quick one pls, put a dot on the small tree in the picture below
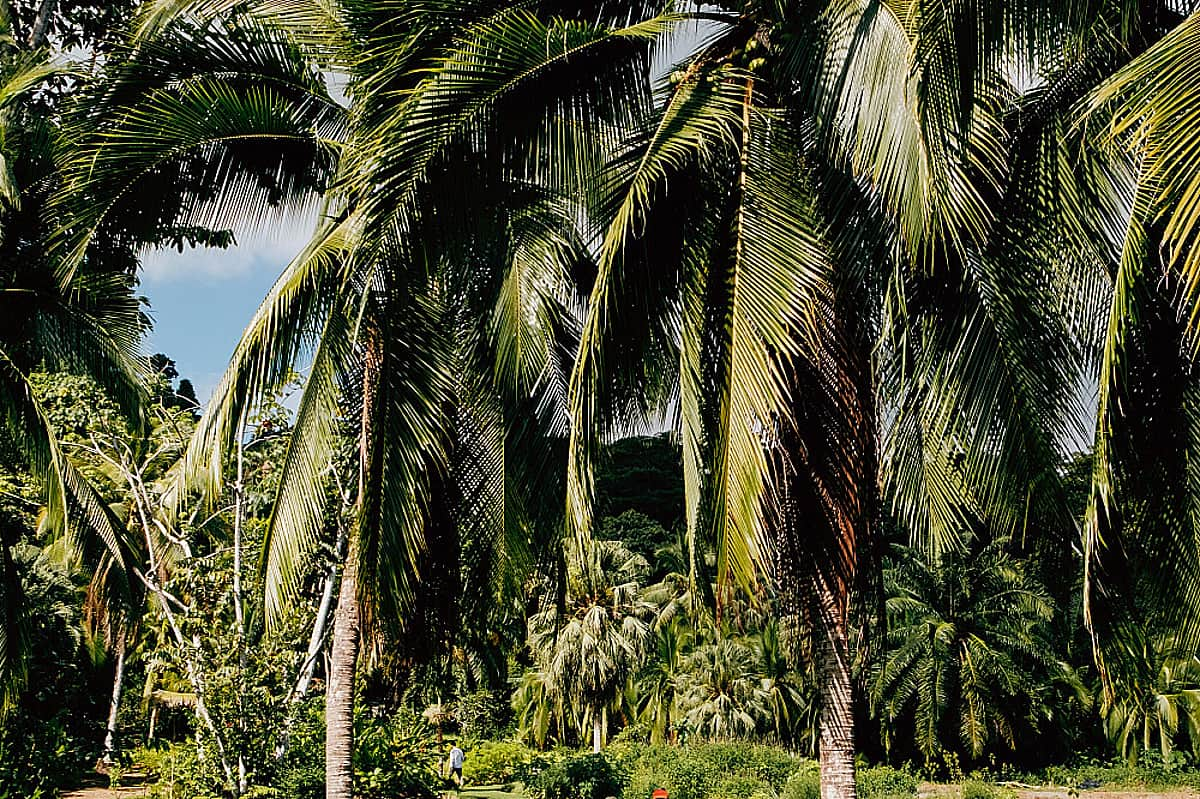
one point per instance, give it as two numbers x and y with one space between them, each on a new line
588 650
969 661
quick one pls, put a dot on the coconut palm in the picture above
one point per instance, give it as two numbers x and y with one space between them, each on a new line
804 243
658 682
789 693
588 650
970 663
435 322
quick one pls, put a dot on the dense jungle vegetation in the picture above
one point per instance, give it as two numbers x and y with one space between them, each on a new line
754 400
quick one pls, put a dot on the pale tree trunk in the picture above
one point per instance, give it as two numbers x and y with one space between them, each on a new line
316 642
836 726
317 638
239 500
597 732
114 706
339 694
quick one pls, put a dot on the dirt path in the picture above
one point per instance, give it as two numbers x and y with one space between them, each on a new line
931 791
1052 793
100 790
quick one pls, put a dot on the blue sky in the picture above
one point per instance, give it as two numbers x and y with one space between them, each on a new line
202 299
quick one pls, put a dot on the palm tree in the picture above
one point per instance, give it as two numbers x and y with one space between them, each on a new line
1167 709
790 695
589 650
87 322
970 664
658 683
721 693
814 242
434 322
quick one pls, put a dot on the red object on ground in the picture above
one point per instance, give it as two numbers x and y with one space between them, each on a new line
659 793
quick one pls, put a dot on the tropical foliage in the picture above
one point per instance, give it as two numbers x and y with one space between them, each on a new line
864 266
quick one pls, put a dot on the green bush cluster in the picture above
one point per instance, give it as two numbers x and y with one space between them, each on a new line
37 756
587 776
885 782
493 762
484 715
1151 771
706 771
874 782
394 756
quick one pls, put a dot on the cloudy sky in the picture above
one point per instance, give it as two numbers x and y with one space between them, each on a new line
202 299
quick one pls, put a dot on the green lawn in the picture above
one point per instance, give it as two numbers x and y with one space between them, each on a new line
492 792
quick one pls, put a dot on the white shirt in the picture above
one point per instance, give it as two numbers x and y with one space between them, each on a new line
456 758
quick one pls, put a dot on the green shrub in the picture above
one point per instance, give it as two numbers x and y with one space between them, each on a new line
804 783
648 769
394 756
300 773
743 786
769 764
702 771
977 789
885 782
874 782
494 762
179 772
576 777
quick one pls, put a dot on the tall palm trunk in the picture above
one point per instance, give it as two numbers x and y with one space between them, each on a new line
347 620
836 726
114 706
339 695
829 483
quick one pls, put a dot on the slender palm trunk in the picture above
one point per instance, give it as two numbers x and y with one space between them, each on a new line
114 706
828 475
347 620
339 696
836 726
597 732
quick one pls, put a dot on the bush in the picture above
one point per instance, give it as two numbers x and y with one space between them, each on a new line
743 786
576 777
803 784
394 756
494 762
178 771
976 789
1147 774
301 772
885 782
707 770
874 782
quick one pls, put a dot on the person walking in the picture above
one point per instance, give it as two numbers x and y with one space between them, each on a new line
456 764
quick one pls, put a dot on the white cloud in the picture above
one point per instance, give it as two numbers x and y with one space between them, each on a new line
272 247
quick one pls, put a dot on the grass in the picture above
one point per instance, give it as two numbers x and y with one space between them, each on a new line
492 792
